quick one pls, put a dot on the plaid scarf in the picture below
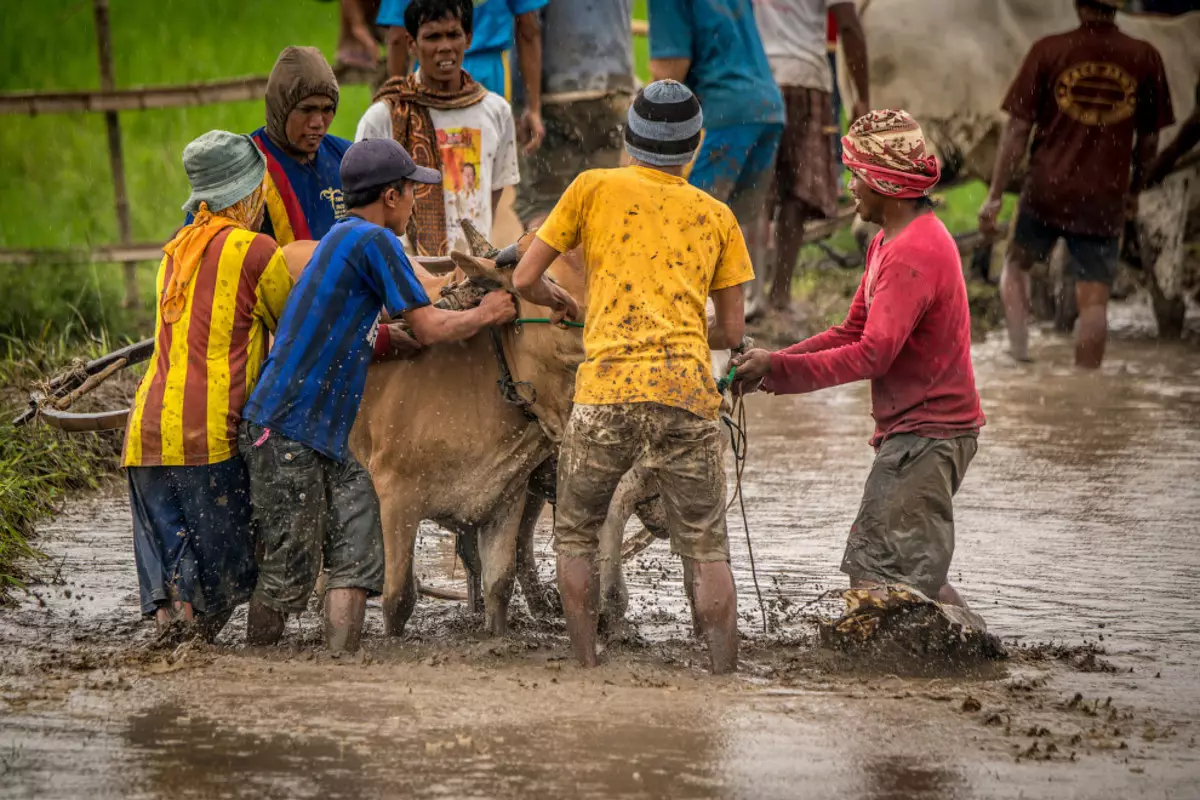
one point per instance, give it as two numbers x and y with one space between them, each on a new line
412 127
886 149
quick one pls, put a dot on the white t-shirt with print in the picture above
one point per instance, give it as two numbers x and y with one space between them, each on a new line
479 155
793 36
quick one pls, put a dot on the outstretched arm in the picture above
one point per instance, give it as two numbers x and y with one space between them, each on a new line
854 45
529 55
1012 149
530 281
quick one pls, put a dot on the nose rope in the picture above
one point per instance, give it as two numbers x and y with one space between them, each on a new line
546 321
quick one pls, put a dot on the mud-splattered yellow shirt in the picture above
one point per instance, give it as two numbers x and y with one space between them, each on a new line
655 248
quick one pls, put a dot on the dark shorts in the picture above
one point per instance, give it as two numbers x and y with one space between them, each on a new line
582 135
192 535
806 168
680 450
736 165
1092 258
904 532
310 510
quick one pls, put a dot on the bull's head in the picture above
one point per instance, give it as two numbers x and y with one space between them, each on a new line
545 356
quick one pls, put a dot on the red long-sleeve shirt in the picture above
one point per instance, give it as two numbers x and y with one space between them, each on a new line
908 331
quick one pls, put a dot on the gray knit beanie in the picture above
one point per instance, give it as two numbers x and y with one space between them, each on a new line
222 168
664 124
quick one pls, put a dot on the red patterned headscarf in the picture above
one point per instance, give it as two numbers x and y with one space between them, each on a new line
886 149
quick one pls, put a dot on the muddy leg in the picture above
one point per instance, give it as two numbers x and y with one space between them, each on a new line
542 600
578 585
1092 297
467 546
399 589
345 610
689 588
715 612
949 596
1014 289
614 598
264 625
498 549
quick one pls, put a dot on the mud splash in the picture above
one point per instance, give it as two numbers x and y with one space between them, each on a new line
1076 530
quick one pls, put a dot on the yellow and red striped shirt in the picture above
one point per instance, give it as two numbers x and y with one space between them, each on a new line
189 404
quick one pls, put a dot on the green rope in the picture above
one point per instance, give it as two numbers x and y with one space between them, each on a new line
546 321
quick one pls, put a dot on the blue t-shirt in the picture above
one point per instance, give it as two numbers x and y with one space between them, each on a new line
729 73
316 186
313 380
492 23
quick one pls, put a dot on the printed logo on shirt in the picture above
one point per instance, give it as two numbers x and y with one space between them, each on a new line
336 200
1096 93
461 174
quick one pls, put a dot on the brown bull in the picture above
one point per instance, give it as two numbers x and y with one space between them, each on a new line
442 445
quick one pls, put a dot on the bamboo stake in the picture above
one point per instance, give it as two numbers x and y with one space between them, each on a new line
116 154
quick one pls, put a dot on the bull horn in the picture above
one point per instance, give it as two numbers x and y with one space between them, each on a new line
478 268
438 265
478 243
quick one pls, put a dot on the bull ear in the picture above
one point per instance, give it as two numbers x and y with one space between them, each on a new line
481 269
478 243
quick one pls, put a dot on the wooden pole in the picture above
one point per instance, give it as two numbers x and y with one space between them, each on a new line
116 155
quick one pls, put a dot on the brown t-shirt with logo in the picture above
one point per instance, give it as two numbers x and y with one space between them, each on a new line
1087 91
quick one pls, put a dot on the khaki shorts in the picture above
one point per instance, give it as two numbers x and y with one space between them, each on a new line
582 135
904 532
681 451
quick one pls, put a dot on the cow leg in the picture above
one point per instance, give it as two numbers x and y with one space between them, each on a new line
399 538
1161 232
498 551
614 596
542 599
467 546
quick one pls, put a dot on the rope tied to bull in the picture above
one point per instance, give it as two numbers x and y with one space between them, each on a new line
738 442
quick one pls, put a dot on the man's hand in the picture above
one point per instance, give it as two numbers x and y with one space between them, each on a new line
499 307
987 216
530 130
400 343
752 365
563 306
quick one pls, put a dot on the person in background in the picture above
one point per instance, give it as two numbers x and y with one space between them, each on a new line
713 46
794 37
1094 100
908 331
304 187
221 289
450 123
314 504
588 81
487 61
356 47
655 250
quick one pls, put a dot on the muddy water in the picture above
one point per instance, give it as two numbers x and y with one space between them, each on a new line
1077 523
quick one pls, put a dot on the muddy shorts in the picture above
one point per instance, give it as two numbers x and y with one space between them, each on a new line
310 510
681 450
582 135
736 166
192 535
1091 258
806 168
904 532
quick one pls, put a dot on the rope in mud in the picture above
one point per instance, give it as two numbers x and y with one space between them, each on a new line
738 443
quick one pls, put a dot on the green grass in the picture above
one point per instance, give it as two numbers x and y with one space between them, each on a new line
39 465
56 189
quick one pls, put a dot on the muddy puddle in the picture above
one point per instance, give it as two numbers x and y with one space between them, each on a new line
1077 531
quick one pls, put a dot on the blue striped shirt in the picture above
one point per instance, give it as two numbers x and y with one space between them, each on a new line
313 380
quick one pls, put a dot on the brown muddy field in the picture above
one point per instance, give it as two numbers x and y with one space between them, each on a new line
1077 529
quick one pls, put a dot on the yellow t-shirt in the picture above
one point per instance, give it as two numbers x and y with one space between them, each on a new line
655 248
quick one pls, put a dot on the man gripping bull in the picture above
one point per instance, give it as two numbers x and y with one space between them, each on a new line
1086 96
655 250
908 332
313 502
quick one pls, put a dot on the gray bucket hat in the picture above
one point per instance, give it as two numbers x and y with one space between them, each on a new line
222 168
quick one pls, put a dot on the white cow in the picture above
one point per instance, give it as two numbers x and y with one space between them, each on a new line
950 62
